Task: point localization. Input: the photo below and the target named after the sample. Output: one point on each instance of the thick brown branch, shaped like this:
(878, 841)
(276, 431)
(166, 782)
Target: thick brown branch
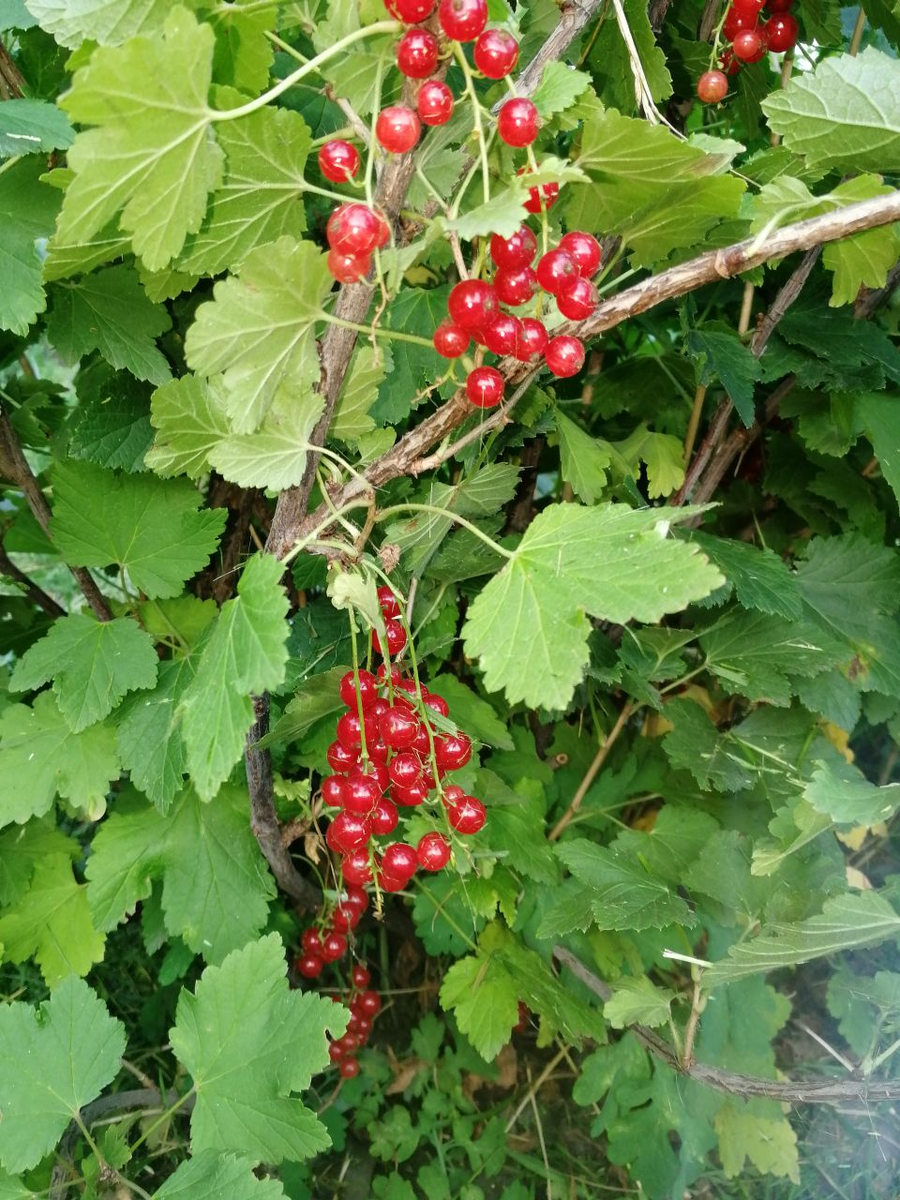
(574, 15)
(35, 594)
(831, 1091)
(12, 83)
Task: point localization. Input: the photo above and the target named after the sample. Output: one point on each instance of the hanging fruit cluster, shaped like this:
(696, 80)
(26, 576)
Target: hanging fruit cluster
(326, 941)
(750, 38)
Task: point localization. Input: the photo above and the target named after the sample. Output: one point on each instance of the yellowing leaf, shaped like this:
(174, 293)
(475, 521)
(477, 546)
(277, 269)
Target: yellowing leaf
(768, 1143)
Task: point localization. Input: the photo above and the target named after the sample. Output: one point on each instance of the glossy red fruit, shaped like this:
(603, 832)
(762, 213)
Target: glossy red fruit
(452, 751)
(517, 286)
(515, 251)
(334, 946)
(384, 817)
(344, 918)
(453, 794)
(577, 298)
(336, 1051)
(369, 1004)
(437, 703)
(749, 45)
(517, 122)
(434, 103)
(399, 860)
(338, 161)
(737, 21)
(396, 639)
(462, 20)
(472, 303)
(779, 6)
(360, 976)
(729, 64)
(363, 1027)
(309, 966)
(348, 268)
(496, 53)
(533, 341)
(417, 54)
(413, 795)
(353, 229)
(553, 268)
(349, 1068)
(391, 883)
(421, 743)
(411, 12)
(356, 897)
(361, 794)
(362, 684)
(334, 790)
(564, 356)
(781, 33)
(390, 607)
(750, 6)
(712, 86)
(340, 759)
(347, 832)
(405, 769)
(399, 726)
(484, 387)
(450, 340)
(502, 334)
(348, 729)
(468, 816)
(355, 866)
(584, 249)
(397, 128)
(375, 771)
(542, 198)
(433, 852)
(311, 942)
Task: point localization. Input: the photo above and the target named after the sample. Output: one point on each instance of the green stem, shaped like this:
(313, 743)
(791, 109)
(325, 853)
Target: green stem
(450, 516)
(476, 118)
(388, 334)
(313, 535)
(354, 656)
(373, 140)
(162, 1119)
(358, 35)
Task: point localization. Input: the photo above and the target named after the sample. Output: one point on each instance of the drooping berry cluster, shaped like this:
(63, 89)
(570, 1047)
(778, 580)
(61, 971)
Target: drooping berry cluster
(364, 1005)
(326, 942)
(388, 754)
(750, 38)
(475, 311)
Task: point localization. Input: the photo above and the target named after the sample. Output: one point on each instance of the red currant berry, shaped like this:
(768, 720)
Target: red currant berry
(437, 704)
(338, 161)
(334, 946)
(353, 229)
(375, 771)
(349, 1068)
(397, 129)
(541, 199)
(577, 298)
(453, 751)
(417, 54)
(434, 103)
(340, 759)
(779, 6)
(585, 250)
(309, 966)
(502, 334)
(336, 1051)
(396, 639)
(311, 943)
(750, 6)
(737, 21)
(533, 341)
(453, 794)
(384, 817)
(564, 356)
(484, 387)
(750, 45)
(712, 86)
(410, 12)
(333, 791)
(515, 287)
(450, 341)
(433, 852)
(348, 268)
(360, 976)
(399, 860)
(521, 1026)
(356, 897)
(347, 832)
(390, 607)
(781, 33)
(361, 794)
(496, 53)
(468, 816)
(344, 918)
(413, 795)
(369, 1004)
(472, 303)
(517, 122)
(462, 20)
(355, 867)
(421, 743)
(399, 726)
(391, 883)
(405, 769)
(349, 730)
(515, 251)
(362, 684)
(553, 267)
(729, 64)
(364, 1028)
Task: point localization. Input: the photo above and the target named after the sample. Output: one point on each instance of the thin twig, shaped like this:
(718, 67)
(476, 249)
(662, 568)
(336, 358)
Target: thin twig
(690, 1029)
(591, 773)
(858, 30)
(35, 594)
(694, 423)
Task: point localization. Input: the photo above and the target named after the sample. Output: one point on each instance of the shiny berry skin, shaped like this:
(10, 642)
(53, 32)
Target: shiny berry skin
(584, 249)
(472, 303)
(750, 6)
(334, 946)
(410, 12)
(434, 104)
(396, 638)
(348, 729)
(749, 45)
(462, 20)
(367, 689)
(360, 976)
(564, 356)
(554, 267)
(515, 287)
(399, 860)
(397, 129)
(502, 334)
(399, 726)
(350, 1042)
(363, 1027)
(413, 795)
(516, 251)
(361, 794)
(311, 942)
(384, 232)
(336, 1051)
(340, 759)
(347, 832)
(496, 53)
(712, 86)
(353, 229)
(348, 268)
(405, 769)
(450, 340)
(375, 771)
(338, 161)
(484, 387)
(369, 1004)
(390, 607)
(355, 897)
(781, 33)
(517, 122)
(729, 64)
(433, 852)
(737, 21)
(779, 6)
(384, 817)
(391, 883)
(437, 703)
(421, 744)
(344, 918)
(417, 54)
(349, 1068)
(453, 751)
(355, 866)
(541, 199)
(533, 340)
(309, 966)
(334, 790)
(468, 816)
(577, 298)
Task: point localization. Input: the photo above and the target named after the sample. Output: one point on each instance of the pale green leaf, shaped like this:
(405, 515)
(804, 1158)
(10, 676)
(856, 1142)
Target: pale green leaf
(843, 793)
(768, 1143)
(28, 210)
(274, 455)
(29, 126)
(583, 460)
(22, 847)
(108, 22)
(861, 261)
(559, 88)
(638, 1002)
(243, 56)
(189, 416)
(365, 376)
(663, 456)
(503, 214)
(213, 1176)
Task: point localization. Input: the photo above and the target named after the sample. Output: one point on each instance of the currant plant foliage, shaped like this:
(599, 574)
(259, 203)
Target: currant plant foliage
(275, 561)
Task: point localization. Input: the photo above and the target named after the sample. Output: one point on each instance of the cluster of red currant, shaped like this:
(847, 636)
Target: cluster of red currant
(364, 1005)
(474, 307)
(326, 942)
(387, 754)
(750, 39)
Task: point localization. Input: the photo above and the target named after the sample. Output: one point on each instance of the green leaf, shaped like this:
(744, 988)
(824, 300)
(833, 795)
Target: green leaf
(845, 923)
(663, 456)
(768, 1143)
(21, 849)
(583, 460)
(244, 654)
(609, 561)
(471, 713)
(111, 426)
(213, 1176)
(189, 416)
(760, 579)
(274, 455)
(148, 734)
(353, 76)
(41, 757)
(248, 1041)
(215, 886)
(14, 15)
(53, 1067)
(244, 54)
(259, 329)
(28, 126)
(52, 923)
(724, 357)
(150, 157)
(92, 665)
(844, 794)
(622, 894)
(27, 212)
(108, 22)
(861, 261)
(611, 62)
(365, 375)
(844, 115)
(516, 827)
(414, 310)
(502, 214)
(558, 89)
(109, 311)
(261, 196)
(756, 655)
(878, 414)
(151, 528)
(316, 697)
(638, 1002)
